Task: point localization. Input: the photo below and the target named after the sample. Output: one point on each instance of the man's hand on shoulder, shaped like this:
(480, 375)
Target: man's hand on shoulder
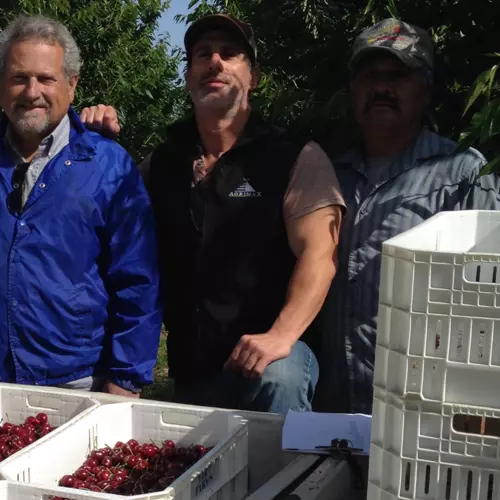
(111, 388)
(102, 119)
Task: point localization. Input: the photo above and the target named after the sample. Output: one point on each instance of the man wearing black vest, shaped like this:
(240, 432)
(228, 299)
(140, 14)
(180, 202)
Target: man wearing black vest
(248, 221)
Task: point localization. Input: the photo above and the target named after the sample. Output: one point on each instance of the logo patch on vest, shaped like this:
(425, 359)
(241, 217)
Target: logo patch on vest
(245, 191)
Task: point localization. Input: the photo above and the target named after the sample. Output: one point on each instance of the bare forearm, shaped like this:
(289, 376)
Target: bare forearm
(306, 293)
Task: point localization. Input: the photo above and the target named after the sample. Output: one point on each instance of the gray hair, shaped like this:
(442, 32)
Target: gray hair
(41, 28)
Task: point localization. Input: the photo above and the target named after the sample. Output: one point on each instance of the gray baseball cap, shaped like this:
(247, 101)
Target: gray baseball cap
(411, 44)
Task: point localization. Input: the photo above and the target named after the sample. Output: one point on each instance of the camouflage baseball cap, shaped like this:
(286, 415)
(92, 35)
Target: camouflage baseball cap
(411, 44)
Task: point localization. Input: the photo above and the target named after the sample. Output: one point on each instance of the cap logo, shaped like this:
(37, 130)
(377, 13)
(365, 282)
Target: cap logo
(391, 32)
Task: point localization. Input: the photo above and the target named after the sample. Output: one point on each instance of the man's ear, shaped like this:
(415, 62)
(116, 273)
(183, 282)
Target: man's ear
(72, 82)
(186, 80)
(255, 77)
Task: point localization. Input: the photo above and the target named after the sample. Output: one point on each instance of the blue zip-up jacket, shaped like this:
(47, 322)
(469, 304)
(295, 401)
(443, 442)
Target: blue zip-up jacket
(79, 291)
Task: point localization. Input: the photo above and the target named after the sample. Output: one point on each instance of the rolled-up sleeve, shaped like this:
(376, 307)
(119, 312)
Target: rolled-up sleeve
(313, 184)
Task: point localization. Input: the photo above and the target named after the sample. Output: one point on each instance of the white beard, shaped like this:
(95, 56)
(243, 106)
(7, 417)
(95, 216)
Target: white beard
(30, 123)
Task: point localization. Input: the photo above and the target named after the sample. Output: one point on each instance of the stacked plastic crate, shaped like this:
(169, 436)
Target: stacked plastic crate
(436, 411)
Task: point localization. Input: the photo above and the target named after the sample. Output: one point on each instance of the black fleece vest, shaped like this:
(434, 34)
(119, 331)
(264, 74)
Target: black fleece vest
(226, 261)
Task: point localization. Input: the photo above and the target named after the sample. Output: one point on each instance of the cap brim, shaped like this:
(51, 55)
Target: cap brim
(216, 22)
(411, 62)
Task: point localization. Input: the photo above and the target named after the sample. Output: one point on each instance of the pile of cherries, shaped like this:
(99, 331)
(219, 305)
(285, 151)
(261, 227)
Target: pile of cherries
(133, 469)
(16, 437)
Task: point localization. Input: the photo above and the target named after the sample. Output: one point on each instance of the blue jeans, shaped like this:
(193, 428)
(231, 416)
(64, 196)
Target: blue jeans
(287, 384)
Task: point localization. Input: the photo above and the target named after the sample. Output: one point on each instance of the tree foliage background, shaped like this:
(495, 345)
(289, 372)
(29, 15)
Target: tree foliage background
(304, 46)
(124, 64)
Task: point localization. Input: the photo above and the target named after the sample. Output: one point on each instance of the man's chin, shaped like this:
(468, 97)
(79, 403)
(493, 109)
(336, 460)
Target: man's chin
(31, 127)
(386, 118)
(216, 102)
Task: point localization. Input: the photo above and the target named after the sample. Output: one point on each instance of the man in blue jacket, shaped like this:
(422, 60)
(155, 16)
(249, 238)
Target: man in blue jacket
(79, 301)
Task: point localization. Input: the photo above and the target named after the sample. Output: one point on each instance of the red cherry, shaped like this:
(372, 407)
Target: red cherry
(94, 487)
(132, 460)
(141, 465)
(67, 481)
(42, 418)
(103, 485)
(107, 462)
(127, 450)
(200, 449)
(15, 429)
(98, 455)
(29, 439)
(7, 427)
(118, 458)
(118, 445)
(45, 429)
(103, 475)
(113, 485)
(121, 473)
(82, 474)
(169, 443)
(91, 462)
(91, 479)
(17, 444)
(132, 443)
(30, 429)
(167, 452)
(31, 421)
(119, 478)
(79, 484)
(22, 432)
(148, 451)
(96, 470)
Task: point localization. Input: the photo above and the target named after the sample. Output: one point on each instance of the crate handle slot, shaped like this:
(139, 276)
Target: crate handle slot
(407, 476)
(484, 272)
(490, 487)
(448, 484)
(469, 485)
(472, 424)
(45, 409)
(427, 478)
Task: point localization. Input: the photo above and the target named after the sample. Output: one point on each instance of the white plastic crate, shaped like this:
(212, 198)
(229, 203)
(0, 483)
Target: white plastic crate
(236, 489)
(438, 331)
(10, 490)
(210, 478)
(17, 403)
(433, 451)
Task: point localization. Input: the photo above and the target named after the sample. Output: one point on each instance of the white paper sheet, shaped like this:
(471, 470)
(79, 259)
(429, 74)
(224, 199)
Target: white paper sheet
(304, 431)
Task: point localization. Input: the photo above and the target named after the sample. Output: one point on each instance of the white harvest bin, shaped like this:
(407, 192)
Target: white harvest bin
(227, 433)
(10, 490)
(438, 335)
(17, 403)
